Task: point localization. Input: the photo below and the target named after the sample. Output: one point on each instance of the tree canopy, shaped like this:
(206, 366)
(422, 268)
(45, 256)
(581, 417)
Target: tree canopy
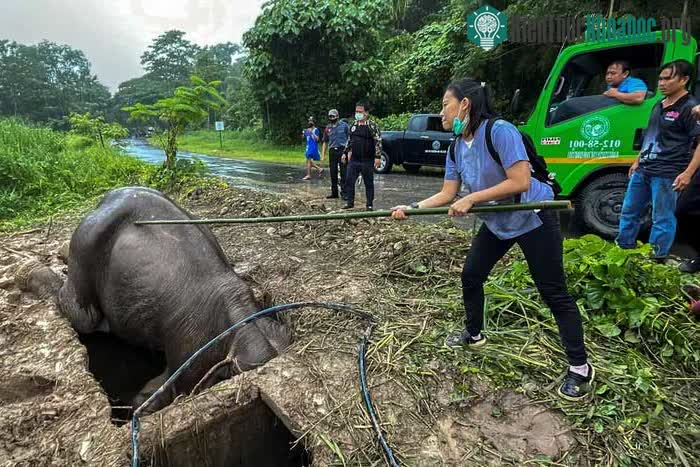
(46, 82)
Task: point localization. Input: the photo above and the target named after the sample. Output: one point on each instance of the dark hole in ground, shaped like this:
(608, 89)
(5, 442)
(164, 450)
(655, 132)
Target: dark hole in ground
(122, 369)
(245, 436)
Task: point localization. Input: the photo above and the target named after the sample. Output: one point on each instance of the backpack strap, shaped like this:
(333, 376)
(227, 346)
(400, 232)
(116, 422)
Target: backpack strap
(492, 148)
(451, 149)
(489, 140)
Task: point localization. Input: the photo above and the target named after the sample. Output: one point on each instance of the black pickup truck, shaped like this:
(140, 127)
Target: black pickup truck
(424, 142)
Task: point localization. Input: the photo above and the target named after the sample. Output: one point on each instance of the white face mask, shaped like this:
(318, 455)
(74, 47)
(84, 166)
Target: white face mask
(359, 116)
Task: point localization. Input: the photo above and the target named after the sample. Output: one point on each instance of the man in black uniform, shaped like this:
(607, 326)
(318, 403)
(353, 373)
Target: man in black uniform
(335, 136)
(363, 147)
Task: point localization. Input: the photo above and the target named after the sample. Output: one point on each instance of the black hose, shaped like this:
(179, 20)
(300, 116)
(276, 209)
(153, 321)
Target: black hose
(390, 459)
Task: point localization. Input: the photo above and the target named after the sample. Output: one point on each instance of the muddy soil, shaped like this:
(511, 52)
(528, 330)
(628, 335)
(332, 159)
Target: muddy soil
(54, 412)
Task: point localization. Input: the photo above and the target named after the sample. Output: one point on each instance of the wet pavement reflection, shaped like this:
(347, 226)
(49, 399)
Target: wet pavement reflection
(390, 189)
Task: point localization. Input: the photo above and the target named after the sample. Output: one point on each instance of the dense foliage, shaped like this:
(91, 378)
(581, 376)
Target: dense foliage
(96, 128)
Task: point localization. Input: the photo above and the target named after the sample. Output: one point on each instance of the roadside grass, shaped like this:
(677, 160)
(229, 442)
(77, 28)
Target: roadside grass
(238, 145)
(44, 172)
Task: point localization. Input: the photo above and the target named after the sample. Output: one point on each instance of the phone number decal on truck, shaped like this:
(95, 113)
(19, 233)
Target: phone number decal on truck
(594, 148)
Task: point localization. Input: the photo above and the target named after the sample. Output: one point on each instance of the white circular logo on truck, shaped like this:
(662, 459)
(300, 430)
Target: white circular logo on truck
(595, 127)
(436, 145)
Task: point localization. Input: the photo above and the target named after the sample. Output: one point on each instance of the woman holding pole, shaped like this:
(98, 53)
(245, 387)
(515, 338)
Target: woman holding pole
(466, 111)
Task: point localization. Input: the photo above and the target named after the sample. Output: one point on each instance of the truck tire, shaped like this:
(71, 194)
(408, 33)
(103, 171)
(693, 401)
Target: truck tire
(412, 169)
(600, 205)
(385, 164)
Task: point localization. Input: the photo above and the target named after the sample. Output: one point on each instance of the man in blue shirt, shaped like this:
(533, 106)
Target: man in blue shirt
(335, 136)
(622, 86)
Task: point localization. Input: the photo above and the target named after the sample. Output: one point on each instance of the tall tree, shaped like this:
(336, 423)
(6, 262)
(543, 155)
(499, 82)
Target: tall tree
(307, 56)
(170, 58)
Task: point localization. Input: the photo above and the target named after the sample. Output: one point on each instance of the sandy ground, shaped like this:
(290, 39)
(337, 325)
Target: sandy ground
(53, 412)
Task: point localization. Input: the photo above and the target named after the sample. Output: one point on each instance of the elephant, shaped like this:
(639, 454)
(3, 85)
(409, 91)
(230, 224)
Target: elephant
(163, 287)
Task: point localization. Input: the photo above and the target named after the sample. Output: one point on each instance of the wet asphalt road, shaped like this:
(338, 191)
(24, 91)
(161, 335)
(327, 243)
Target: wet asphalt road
(390, 189)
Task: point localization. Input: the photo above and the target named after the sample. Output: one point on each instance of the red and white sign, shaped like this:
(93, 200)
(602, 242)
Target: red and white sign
(551, 141)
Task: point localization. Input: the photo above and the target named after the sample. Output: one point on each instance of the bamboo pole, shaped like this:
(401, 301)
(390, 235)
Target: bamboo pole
(556, 205)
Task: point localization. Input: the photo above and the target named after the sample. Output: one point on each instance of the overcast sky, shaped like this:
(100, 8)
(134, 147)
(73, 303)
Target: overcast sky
(114, 33)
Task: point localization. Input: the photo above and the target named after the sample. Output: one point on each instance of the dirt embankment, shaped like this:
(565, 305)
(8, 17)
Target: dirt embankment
(53, 411)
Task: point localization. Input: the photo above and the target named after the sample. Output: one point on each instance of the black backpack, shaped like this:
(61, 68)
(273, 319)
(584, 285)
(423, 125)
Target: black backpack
(537, 163)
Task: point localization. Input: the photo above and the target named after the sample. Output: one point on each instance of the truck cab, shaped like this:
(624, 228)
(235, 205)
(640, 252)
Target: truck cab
(588, 140)
(424, 142)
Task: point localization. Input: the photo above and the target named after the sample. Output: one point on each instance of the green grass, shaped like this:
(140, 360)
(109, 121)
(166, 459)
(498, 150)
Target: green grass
(639, 336)
(43, 172)
(239, 145)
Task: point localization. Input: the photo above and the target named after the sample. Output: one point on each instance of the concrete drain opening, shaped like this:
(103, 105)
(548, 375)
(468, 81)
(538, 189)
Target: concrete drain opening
(122, 369)
(245, 436)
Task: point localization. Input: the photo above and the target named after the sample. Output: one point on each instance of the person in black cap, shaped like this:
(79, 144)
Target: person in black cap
(335, 136)
(363, 147)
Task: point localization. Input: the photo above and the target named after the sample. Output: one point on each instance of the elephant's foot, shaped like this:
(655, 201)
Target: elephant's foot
(37, 278)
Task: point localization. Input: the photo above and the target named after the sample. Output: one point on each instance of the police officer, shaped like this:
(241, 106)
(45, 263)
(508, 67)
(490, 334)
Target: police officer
(364, 146)
(335, 136)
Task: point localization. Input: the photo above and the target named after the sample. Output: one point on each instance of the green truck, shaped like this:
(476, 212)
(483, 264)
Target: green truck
(590, 152)
(588, 140)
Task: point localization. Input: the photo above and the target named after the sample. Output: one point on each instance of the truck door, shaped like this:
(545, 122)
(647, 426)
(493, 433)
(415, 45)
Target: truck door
(414, 140)
(435, 146)
(588, 139)
(581, 128)
(426, 142)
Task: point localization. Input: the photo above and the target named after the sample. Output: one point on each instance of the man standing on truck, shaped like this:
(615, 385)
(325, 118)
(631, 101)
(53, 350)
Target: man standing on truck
(364, 145)
(664, 166)
(335, 136)
(622, 86)
(688, 214)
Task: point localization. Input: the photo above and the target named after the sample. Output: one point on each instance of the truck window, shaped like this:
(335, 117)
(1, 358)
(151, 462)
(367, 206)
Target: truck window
(435, 124)
(580, 86)
(418, 123)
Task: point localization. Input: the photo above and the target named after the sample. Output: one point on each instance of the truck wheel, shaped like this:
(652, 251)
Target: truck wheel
(385, 164)
(412, 169)
(600, 204)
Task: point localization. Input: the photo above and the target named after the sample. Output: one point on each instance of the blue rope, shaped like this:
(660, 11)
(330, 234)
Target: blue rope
(135, 424)
(391, 460)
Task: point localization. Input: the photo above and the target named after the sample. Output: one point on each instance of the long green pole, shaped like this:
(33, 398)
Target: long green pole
(556, 205)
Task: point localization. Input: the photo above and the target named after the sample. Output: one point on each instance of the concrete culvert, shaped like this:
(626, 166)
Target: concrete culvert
(247, 435)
